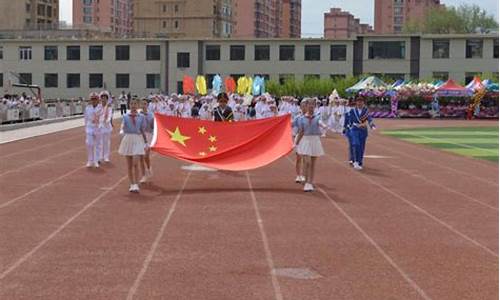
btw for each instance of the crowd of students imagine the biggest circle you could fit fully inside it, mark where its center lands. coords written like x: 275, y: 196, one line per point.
x: 312, y: 118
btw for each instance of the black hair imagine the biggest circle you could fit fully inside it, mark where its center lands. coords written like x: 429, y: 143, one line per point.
x: 222, y: 96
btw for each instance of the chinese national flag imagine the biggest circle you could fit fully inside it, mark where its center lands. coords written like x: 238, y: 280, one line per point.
x: 234, y: 146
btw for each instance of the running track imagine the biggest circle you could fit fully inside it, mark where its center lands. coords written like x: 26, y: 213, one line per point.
x: 415, y: 224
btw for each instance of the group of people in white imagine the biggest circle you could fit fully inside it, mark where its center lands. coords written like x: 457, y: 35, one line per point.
x: 138, y: 124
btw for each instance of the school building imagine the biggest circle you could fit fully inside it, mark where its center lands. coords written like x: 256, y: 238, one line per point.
x: 71, y: 68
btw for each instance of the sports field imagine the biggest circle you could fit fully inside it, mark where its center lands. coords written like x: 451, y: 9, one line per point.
x: 477, y: 142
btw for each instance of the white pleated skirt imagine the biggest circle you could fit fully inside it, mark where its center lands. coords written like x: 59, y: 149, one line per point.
x: 131, y: 145
x: 310, y: 145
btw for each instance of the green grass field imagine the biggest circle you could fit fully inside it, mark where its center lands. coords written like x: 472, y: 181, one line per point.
x: 477, y: 142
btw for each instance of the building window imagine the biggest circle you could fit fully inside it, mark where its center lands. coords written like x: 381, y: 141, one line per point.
x: 470, y: 75
x: 440, y: 48
x: 95, y: 81
x: 122, y: 52
x: 25, y: 78
x: 122, y: 81
x: 237, y: 52
x: 153, y: 52
x: 262, y: 52
x: 286, y: 77
x: 440, y: 75
x: 287, y: 52
x: 394, y: 76
x: 495, y: 49
x: 1, y: 52
x: 25, y: 53
x: 95, y: 52
x: 176, y: 24
x: 183, y: 60
x: 338, y: 52
x: 386, y: 50
x: 176, y: 8
x: 73, y: 80
x: 73, y: 53
x: 474, y: 49
x: 1, y: 79
x: 51, y: 80
x: 152, y: 81
x: 336, y: 77
x: 164, y: 24
x: 180, y: 88
x: 237, y: 76
x: 308, y: 77
x: 50, y: 53
x: 312, y: 52
x: 212, y: 52
x: 265, y: 76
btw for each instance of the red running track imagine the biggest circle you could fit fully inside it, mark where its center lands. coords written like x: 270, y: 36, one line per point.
x: 410, y: 226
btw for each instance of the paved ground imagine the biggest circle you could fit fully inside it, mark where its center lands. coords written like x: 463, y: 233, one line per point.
x: 417, y: 223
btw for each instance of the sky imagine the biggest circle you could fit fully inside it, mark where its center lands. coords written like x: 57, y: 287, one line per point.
x: 313, y: 10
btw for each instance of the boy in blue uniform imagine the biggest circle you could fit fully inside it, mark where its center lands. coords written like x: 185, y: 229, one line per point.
x: 356, y: 127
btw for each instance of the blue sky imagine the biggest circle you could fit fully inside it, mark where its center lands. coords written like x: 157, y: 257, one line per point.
x: 312, y: 11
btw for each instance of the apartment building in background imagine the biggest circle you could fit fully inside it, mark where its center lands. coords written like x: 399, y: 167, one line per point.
x: 391, y: 15
x: 104, y: 15
x: 268, y: 19
x: 339, y: 24
x: 29, y: 14
x: 184, y: 18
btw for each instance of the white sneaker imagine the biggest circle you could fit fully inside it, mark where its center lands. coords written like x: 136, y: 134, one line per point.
x: 302, y: 178
x: 106, y: 160
x: 350, y: 162
x: 89, y: 164
x: 134, y: 188
x: 96, y: 165
x: 308, y: 187
x: 144, y: 179
x: 357, y: 166
x: 298, y: 179
x: 131, y: 188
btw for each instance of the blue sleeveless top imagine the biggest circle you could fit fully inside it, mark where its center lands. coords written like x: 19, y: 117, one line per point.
x: 134, y: 127
x: 310, y: 126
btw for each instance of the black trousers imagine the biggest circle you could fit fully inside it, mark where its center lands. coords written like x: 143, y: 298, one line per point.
x: 123, y: 109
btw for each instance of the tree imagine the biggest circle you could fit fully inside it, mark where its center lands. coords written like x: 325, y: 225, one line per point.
x: 462, y: 19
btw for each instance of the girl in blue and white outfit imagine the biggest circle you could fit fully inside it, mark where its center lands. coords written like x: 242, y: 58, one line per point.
x: 308, y: 142
x: 133, y: 142
x: 146, y: 168
x: 295, y: 130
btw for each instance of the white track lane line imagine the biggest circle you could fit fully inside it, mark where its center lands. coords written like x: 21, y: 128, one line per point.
x: 379, y: 249
x: 154, y: 245
x: 418, y: 208
x: 41, y: 161
x: 25, y: 257
x: 269, y: 257
x: 433, y: 163
x: 41, y: 147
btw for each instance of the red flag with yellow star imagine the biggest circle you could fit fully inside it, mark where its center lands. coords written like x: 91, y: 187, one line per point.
x: 233, y: 146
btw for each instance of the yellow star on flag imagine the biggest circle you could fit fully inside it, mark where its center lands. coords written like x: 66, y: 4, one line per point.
x: 177, y: 136
x: 212, y: 138
x: 202, y: 130
x: 212, y: 148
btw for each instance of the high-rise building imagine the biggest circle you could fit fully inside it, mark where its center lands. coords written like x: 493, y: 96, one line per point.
x: 391, y: 15
x: 183, y: 18
x: 342, y: 24
x: 29, y: 14
x: 105, y: 15
x: 268, y: 18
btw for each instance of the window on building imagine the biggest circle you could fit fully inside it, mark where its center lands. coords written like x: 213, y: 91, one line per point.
x: 308, y: 77
x: 122, y: 52
x: 122, y: 81
x: 287, y: 52
x: 96, y: 81
x: 51, y: 80
x: 237, y: 52
x: 50, y: 53
x: 440, y: 75
x: 183, y: 60
x: 153, y: 52
x: 495, y: 49
x: 474, y: 48
x: 176, y: 8
x: 1, y: 79
x: 25, y: 53
x: 164, y: 8
x: 212, y: 52
x: 286, y: 77
x: 73, y: 53
x: 176, y: 24
x: 1, y: 52
x: 152, y: 81
x: 394, y: 76
x: 312, y: 52
x: 262, y: 52
x: 440, y: 48
x: 87, y: 19
x: 95, y: 52
x: 470, y: 75
x: 73, y: 80
x: 337, y: 76
x: 386, y: 50
x: 25, y: 78
x: 180, y: 88
x: 338, y: 52
x: 164, y: 24
x: 265, y: 76
x: 237, y: 76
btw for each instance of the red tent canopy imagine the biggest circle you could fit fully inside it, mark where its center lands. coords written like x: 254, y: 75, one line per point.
x: 451, y: 89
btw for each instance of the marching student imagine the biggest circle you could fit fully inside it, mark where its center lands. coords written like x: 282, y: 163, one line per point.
x: 91, y: 127
x: 299, y: 170
x: 239, y: 113
x: 133, y: 142
x: 358, y: 120
x: 308, y: 142
x: 223, y: 113
x: 105, y: 128
x: 145, y: 163
x: 325, y: 112
x: 123, y: 103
